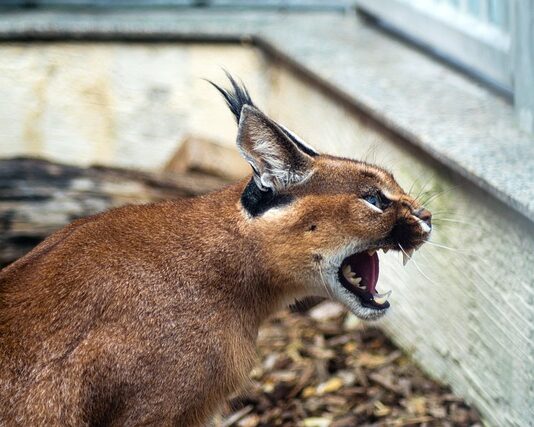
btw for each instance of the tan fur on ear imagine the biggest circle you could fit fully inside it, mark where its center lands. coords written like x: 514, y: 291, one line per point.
x: 276, y: 161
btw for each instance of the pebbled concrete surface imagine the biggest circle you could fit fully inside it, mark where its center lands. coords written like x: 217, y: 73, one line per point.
x: 455, y: 120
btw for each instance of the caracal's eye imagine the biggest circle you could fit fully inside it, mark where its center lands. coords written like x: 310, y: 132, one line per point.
x: 384, y: 201
x: 378, y: 201
x: 373, y: 200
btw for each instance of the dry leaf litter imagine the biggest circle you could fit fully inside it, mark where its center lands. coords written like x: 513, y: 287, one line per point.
x: 325, y: 368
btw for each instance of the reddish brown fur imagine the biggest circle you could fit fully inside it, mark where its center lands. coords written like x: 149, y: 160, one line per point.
x: 130, y: 317
x: 149, y: 314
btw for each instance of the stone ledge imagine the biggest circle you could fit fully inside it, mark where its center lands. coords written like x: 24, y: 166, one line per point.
x: 456, y: 121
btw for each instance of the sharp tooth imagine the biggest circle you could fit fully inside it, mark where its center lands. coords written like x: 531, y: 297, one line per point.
x: 347, y: 271
x: 355, y: 280
x: 406, y: 256
x: 381, y: 298
x: 371, y: 252
x: 383, y: 295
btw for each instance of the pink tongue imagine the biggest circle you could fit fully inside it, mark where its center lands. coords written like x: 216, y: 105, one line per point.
x: 366, y: 267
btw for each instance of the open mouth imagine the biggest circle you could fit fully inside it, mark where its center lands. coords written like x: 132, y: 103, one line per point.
x: 359, y: 275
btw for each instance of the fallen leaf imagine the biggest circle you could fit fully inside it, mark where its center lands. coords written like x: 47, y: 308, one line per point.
x: 249, y: 421
x: 351, y: 322
x: 416, y: 405
x: 317, y: 422
x: 333, y: 384
x: 369, y: 360
x: 326, y: 310
x: 308, y: 392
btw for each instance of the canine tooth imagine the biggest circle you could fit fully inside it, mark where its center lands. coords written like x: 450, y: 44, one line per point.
x: 347, y: 271
x: 371, y: 252
x: 355, y: 280
x: 383, y: 295
x: 381, y: 298
x: 406, y: 256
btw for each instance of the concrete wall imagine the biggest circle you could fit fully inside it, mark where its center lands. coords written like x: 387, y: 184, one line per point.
x: 127, y: 105
x: 464, y: 306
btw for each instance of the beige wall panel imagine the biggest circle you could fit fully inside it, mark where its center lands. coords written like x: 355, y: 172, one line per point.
x: 127, y: 105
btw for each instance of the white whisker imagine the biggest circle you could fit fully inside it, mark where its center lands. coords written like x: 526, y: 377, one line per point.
x: 324, y: 282
x: 445, y: 247
x: 454, y: 220
x: 439, y: 193
x: 467, y: 252
x: 418, y: 268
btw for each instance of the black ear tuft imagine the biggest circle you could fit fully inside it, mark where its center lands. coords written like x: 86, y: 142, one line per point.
x: 236, y: 98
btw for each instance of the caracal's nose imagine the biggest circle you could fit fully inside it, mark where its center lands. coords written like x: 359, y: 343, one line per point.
x: 424, y: 215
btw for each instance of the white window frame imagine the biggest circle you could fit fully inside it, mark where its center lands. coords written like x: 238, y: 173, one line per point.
x: 501, y: 55
x: 480, y: 47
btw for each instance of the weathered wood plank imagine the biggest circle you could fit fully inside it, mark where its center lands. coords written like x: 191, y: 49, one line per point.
x: 38, y: 197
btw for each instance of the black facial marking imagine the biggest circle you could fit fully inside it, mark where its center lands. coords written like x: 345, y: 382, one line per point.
x: 404, y: 235
x: 368, y: 174
x: 257, y: 202
x: 307, y: 150
x: 312, y: 227
x: 300, y: 145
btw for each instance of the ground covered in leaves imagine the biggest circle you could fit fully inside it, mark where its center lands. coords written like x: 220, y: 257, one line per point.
x: 327, y: 369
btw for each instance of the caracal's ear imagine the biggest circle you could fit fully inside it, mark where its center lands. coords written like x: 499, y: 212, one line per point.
x: 277, y: 161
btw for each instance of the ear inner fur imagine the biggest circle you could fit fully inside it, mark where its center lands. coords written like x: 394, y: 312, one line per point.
x: 277, y: 161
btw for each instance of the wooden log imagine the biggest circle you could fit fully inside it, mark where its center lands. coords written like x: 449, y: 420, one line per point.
x: 204, y: 155
x: 38, y: 197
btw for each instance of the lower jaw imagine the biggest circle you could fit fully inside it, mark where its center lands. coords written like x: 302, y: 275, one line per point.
x: 354, y: 304
x: 365, y: 298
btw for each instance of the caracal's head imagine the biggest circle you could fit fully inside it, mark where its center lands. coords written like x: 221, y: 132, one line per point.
x: 322, y: 219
